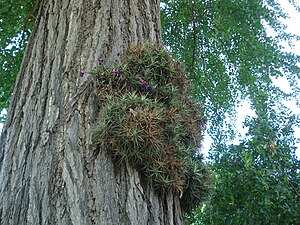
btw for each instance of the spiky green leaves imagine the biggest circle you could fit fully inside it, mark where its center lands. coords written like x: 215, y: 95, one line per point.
x: 157, y: 131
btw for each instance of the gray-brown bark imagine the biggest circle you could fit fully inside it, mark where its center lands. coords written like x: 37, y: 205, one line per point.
x: 48, y: 172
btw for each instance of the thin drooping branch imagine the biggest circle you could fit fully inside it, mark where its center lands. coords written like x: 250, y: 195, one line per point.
x: 194, y: 38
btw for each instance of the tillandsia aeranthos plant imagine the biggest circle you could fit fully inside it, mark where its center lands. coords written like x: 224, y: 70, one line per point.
x: 148, y: 120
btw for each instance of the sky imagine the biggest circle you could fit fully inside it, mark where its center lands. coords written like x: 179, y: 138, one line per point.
x: 294, y: 28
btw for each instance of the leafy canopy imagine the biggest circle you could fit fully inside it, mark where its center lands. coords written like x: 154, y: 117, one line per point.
x: 231, y: 57
x: 227, y: 50
x: 258, y: 180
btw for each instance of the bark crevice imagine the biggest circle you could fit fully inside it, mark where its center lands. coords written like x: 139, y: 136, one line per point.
x: 48, y: 170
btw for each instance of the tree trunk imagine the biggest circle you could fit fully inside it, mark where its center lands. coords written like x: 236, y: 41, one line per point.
x: 48, y: 170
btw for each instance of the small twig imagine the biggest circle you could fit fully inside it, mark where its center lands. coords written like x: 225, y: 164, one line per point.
x: 294, y: 189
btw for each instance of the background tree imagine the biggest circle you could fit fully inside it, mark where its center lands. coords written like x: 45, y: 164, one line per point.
x: 49, y: 172
x: 256, y: 181
x: 231, y: 58
x: 227, y: 50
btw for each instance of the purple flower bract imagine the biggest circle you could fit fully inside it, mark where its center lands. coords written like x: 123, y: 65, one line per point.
x: 116, y: 71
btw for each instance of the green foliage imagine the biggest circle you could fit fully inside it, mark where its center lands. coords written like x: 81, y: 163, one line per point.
x: 227, y: 51
x: 257, y: 181
x: 230, y: 56
x: 156, y: 130
x: 16, y: 22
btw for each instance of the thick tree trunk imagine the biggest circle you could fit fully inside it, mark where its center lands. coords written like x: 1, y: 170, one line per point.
x: 48, y: 172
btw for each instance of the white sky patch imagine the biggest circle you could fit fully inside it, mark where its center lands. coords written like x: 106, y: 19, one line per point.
x: 292, y: 24
x: 206, y: 143
x: 294, y: 17
x: 243, y: 111
x: 282, y: 83
x: 1, y: 114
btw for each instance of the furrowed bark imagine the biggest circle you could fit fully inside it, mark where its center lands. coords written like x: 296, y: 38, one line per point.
x: 48, y: 170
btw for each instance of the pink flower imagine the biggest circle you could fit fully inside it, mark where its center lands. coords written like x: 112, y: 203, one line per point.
x: 116, y: 71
